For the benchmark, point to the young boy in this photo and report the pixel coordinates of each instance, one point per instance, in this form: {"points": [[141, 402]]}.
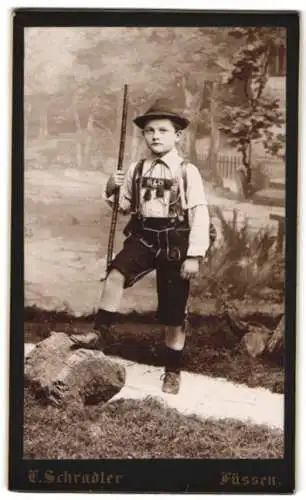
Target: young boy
{"points": [[168, 231]]}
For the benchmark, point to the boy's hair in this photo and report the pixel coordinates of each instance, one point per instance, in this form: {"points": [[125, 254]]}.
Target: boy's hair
{"points": [[176, 125]]}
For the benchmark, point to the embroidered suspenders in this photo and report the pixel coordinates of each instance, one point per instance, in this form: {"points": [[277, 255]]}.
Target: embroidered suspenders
{"points": [[175, 202]]}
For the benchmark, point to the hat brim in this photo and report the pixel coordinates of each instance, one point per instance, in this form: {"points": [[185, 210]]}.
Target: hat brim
{"points": [[181, 121]]}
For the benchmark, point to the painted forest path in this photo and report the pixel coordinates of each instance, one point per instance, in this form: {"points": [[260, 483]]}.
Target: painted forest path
{"points": [[204, 396]]}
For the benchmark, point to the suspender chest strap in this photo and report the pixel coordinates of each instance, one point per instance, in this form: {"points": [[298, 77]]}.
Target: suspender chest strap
{"points": [[132, 226], [184, 176], [136, 185]]}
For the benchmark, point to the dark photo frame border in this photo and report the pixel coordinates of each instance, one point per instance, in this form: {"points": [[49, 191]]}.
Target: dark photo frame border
{"points": [[141, 476]]}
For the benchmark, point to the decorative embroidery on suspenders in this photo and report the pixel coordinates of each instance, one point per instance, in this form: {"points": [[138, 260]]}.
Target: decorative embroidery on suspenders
{"points": [[175, 205], [175, 202]]}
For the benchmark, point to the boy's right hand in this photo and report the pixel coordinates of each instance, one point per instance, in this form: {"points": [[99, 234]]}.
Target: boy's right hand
{"points": [[114, 182], [118, 178]]}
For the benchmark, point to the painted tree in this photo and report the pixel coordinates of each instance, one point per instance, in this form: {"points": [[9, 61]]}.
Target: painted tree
{"points": [[253, 115], [95, 63], [156, 61], [48, 56]]}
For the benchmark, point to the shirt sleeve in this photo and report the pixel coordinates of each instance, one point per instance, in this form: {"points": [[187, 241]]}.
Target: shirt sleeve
{"points": [[125, 198], [198, 213]]}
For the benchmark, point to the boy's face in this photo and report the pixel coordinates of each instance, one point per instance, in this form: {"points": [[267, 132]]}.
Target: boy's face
{"points": [[160, 135]]}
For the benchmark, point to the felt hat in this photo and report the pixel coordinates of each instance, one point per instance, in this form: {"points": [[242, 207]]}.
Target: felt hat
{"points": [[162, 108]]}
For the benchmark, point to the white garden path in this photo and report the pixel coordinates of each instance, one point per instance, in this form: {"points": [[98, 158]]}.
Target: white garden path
{"points": [[204, 396]]}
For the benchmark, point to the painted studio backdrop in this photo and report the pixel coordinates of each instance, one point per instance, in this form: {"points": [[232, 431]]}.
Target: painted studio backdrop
{"points": [[231, 84]]}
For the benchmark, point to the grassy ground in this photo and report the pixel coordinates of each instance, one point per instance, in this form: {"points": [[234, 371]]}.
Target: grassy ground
{"points": [[144, 429]]}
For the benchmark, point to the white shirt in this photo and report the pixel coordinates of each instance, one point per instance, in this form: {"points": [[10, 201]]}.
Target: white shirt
{"points": [[196, 202]]}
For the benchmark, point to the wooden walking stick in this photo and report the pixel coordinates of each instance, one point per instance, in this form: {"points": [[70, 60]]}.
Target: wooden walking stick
{"points": [[112, 231]]}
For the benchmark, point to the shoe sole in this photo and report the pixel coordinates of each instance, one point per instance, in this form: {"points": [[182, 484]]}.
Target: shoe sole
{"points": [[170, 392], [85, 345]]}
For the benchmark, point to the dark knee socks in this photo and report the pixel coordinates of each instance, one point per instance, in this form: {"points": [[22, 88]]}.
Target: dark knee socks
{"points": [[173, 360], [104, 319]]}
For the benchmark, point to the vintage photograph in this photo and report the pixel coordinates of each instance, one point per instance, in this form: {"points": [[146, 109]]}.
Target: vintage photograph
{"points": [[155, 180]]}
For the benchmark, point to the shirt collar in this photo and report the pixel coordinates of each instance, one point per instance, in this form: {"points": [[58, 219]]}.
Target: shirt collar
{"points": [[170, 159]]}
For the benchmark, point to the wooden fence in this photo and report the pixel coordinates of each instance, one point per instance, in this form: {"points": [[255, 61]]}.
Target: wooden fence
{"points": [[229, 163], [228, 166]]}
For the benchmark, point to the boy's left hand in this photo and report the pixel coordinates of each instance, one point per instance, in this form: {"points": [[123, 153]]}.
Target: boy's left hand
{"points": [[190, 268]]}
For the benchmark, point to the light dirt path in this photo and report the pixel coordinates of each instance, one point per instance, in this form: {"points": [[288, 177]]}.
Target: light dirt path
{"points": [[204, 396]]}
